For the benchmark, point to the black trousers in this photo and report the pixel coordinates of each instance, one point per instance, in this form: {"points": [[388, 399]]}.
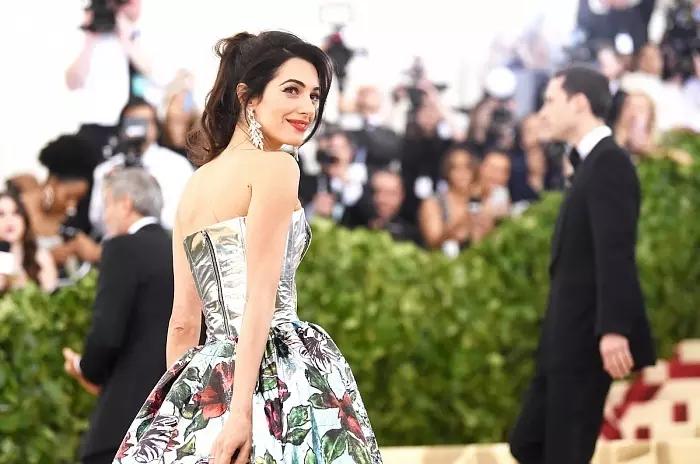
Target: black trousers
{"points": [[104, 457], [560, 419]]}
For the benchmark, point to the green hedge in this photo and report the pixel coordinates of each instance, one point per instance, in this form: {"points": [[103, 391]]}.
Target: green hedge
{"points": [[441, 348]]}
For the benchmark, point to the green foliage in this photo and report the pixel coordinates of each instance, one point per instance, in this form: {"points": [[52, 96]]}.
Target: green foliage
{"points": [[43, 411], [442, 349]]}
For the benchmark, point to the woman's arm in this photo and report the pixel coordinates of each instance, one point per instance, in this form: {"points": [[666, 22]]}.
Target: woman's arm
{"points": [[273, 199], [48, 274], [433, 228], [186, 319]]}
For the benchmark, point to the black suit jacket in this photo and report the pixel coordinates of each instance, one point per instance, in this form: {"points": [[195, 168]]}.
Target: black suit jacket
{"points": [[125, 348], [595, 288]]}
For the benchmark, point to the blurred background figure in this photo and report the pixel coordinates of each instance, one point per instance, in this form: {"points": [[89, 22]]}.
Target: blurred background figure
{"points": [[125, 349], [29, 262], [139, 147]]}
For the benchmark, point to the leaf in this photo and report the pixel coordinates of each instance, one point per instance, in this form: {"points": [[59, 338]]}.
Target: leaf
{"points": [[192, 374], [188, 449], [310, 457], [296, 436], [198, 423], [333, 443], [226, 350], [270, 370], [269, 459], [180, 394], [358, 450], [143, 426], [321, 401], [316, 379], [269, 383], [189, 410], [298, 416]]}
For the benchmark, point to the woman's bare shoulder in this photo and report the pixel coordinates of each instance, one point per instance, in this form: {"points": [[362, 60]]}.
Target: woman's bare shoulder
{"points": [[270, 164]]}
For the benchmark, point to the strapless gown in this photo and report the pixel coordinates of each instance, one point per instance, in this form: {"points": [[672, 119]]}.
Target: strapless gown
{"points": [[306, 406]]}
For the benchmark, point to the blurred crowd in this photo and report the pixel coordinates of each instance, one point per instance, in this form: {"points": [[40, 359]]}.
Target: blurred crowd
{"points": [[403, 161]]}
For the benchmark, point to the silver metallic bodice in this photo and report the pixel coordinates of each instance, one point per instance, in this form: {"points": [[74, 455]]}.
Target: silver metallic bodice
{"points": [[217, 256]]}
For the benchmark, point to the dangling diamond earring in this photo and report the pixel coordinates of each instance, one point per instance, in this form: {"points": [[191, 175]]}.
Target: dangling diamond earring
{"points": [[256, 135], [48, 196]]}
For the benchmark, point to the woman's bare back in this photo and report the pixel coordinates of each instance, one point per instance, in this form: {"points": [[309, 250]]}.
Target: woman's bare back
{"points": [[220, 190]]}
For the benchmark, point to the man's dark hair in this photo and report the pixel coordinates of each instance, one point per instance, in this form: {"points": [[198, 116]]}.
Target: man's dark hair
{"points": [[137, 102], [592, 84]]}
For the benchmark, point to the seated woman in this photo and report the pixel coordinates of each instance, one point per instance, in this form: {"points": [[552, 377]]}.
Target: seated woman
{"points": [[445, 220], [635, 129], [53, 204], [33, 264]]}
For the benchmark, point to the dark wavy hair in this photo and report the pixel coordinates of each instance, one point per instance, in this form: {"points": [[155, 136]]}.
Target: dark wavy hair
{"points": [[29, 246], [252, 60]]}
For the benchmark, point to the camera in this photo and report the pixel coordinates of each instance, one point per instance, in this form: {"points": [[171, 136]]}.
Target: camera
{"points": [[502, 132], [325, 158], [132, 137], [104, 18], [7, 259], [416, 74], [68, 233]]}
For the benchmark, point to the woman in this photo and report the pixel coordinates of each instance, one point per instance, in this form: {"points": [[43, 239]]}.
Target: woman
{"points": [[635, 129], [292, 397], [444, 219], [33, 264], [54, 206], [180, 113]]}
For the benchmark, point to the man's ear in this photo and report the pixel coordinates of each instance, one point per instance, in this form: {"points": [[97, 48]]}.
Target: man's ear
{"points": [[581, 102], [127, 203]]}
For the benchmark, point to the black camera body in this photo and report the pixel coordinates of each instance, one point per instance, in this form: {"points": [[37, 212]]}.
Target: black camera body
{"points": [[502, 132], [104, 15], [416, 74], [132, 137]]}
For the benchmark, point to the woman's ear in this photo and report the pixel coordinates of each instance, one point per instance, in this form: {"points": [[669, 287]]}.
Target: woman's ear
{"points": [[241, 93]]}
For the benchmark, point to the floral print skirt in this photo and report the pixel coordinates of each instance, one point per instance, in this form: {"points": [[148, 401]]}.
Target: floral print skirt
{"points": [[306, 407]]}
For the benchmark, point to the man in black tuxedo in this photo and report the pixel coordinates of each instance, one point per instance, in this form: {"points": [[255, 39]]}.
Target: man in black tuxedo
{"points": [[596, 327], [125, 349]]}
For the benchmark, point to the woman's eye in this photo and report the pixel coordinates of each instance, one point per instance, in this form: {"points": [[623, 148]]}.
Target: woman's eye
{"points": [[292, 90], [315, 97]]}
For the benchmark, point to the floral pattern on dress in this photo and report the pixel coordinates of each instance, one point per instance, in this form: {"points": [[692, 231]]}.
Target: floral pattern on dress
{"points": [[306, 407]]}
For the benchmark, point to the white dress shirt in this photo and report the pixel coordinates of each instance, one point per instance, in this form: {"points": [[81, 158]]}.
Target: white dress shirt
{"points": [[107, 84], [171, 170], [591, 139], [106, 88], [141, 223]]}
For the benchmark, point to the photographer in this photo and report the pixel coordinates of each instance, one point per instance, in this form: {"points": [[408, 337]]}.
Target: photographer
{"points": [[493, 122], [138, 147], [111, 66], [341, 181]]}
